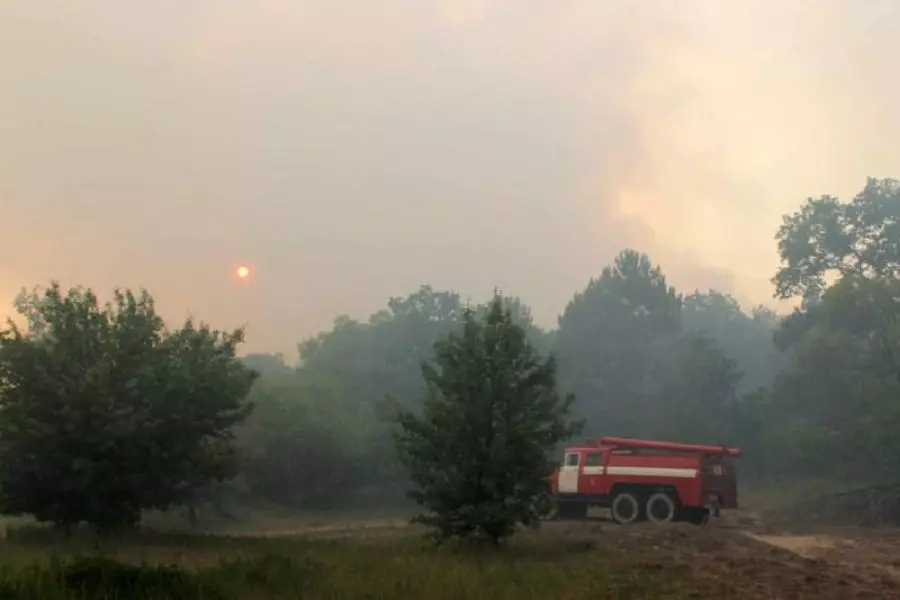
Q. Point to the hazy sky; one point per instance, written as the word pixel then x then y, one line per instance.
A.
pixel 351 151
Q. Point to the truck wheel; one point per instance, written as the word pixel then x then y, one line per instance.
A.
pixel 661 508
pixel 625 508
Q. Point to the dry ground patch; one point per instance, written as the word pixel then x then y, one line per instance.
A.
pixel 855 549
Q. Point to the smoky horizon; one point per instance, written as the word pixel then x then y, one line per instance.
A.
pixel 351 152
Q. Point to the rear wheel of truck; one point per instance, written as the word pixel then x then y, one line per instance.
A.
pixel 661 508
pixel 625 508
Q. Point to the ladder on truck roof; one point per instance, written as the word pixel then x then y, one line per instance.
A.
pixel 638 444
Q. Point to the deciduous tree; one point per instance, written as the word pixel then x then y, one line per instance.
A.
pixel 104 412
pixel 827 239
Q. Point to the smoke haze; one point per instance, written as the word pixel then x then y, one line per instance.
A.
pixel 350 151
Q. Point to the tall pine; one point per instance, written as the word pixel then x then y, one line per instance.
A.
pixel 479 454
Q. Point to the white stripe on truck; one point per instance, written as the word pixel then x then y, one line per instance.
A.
pixel 643 471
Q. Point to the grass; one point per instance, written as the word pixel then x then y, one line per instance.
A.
pixel 35 564
pixel 324 556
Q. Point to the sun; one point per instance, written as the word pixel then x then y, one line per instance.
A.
pixel 243 272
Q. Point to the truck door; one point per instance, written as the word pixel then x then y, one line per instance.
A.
pixel 592 479
pixel 568 473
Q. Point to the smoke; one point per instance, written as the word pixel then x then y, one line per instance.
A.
pixel 352 151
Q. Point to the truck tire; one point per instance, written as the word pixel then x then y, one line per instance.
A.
pixel 661 508
pixel 625 508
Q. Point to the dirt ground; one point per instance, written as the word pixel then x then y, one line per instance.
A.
pixel 858 551
pixel 755 563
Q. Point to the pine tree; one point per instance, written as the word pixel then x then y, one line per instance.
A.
pixel 479 454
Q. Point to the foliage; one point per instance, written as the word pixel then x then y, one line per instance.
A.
pixel 827 238
pixel 267 364
pixel 541 340
pixel 698 398
pixel 304 447
pixel 104 412
pixel 832 409
pixel 321 435
pixel 744 338
pixel 613 338
pixel 478 456
pixel 842 387
pixel 88 393
pixel 381 357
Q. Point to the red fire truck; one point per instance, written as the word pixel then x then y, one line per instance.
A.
pixel 646 479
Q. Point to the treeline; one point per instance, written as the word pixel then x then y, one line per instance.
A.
pixel 641 360
pixel 88 392
pixel 812 394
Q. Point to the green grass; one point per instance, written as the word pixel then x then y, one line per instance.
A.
pixel 36 565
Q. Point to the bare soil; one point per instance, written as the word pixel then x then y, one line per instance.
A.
pixel 852 549
pixel 838 565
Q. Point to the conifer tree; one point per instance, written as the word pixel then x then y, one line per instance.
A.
pixel 479 454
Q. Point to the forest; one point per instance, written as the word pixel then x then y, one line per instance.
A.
pixel 105 412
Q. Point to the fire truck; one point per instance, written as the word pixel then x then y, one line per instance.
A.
pixel 645 480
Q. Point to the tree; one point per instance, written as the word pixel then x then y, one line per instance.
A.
pixel 841 387
pixel 479 454
pixel 698 398
pixel 521 313
pixel 746 339
pixel 304 446
pixel 826 238
pixel 347 375
pixel 322 435
pixel 104 412
pixel 381 357
pixel 868 309
pixel 267 364
pixel 613 340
